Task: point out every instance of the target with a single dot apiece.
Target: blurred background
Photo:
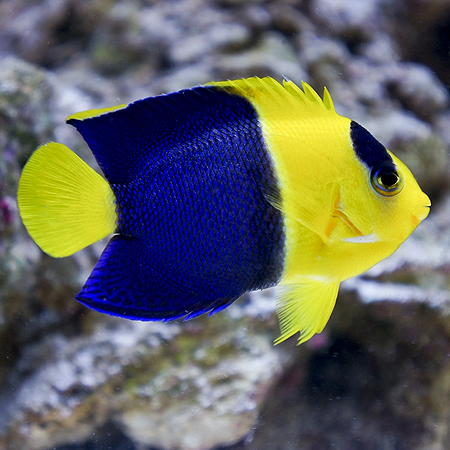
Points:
(377, 378)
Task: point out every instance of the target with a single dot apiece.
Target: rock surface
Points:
(377, 378)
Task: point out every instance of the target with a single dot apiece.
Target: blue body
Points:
(190, 172)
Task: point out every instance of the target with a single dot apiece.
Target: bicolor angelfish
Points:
(219, 190)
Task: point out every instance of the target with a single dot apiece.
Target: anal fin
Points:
(132, 282)
(305, 307)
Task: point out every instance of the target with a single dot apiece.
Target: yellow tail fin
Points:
(64, 204)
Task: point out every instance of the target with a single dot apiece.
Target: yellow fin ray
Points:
(327, 100)
(64, 204)
(94, 112)
(305, 307)
(292, 88)
(311, 94)
(273, 97)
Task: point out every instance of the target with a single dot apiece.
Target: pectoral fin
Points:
(305, 307)
(310, 217)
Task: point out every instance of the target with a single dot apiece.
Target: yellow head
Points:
(378, 205)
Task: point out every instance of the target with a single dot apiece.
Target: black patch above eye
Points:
(368, 150)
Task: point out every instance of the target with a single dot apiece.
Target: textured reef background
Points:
(378, 378)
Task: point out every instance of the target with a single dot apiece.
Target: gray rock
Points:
(273, 55)
(25, 121)
(159, 383)
(347, 18)
(209, 41)
(419, 89)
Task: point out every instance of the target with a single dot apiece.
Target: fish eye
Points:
(386, 180)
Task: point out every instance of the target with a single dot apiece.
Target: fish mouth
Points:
(421, 213)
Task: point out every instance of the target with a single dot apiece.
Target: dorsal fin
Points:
(147, 131)
(278, 100)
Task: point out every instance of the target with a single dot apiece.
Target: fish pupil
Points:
(389, 179)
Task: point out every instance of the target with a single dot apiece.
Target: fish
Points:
(219, 190)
